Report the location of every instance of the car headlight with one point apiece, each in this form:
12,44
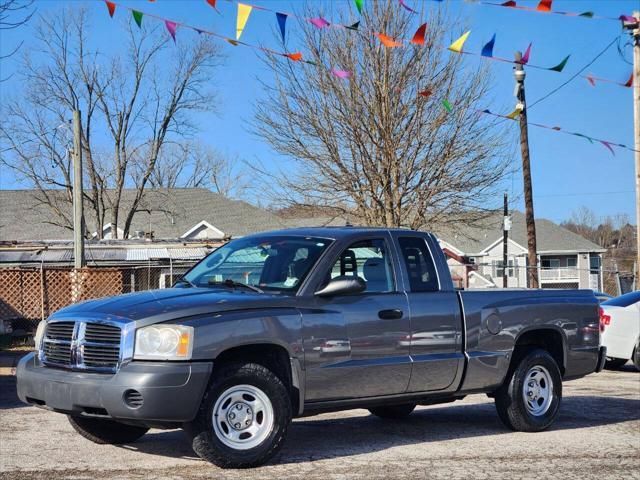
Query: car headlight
164,342
37,338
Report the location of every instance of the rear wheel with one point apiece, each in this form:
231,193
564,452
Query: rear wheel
104,431
243,418
614,363
529,399
393,411
636,355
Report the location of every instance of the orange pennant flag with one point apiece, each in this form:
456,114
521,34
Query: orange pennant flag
296,57
544,6
388,41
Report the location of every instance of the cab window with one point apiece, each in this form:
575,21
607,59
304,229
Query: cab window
369,260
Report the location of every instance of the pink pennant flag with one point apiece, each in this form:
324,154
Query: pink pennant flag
344,74
608,146
525,58
171,27
406,7
591,80
319,22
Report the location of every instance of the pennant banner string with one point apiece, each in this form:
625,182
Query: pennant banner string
545,6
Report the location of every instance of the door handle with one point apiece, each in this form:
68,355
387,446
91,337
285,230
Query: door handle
393,314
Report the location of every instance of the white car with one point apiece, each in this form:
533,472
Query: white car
620,327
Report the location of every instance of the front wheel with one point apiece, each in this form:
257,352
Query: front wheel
104,431
529,399
243,418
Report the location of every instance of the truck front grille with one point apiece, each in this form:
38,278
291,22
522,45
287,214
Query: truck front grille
82,346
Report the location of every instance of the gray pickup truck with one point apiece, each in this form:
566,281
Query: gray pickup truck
298,322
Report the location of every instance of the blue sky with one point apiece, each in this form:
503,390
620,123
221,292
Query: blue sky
568,172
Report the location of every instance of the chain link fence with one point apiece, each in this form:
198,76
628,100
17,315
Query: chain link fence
28,295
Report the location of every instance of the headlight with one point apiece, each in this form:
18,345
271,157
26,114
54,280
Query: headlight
164,342
37,339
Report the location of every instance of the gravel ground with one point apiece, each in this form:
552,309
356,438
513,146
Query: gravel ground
596,436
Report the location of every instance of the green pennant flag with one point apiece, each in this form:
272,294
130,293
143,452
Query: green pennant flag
359,5
586,14
447,106
560,66
137,16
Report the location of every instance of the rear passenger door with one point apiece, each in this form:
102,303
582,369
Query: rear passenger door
435,341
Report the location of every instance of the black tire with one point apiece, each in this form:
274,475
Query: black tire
104,431
205,440
510,403
614,363
393,412
636,356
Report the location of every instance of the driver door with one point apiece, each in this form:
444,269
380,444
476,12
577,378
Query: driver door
352,341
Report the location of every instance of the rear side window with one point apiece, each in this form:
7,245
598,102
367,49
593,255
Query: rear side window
419,264
624,300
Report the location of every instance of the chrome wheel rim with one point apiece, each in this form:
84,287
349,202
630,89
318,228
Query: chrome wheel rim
537,391
242,417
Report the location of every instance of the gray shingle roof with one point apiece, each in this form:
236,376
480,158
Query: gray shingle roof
549,236
169,213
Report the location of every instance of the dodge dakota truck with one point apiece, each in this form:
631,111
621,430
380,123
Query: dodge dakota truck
303,321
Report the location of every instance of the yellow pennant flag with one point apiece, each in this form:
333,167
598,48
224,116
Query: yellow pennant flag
516,113
243,15
457,45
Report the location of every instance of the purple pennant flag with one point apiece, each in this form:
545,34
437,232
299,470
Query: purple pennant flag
171,27
344,74
628,19
608,146
406,7
319,22
525,58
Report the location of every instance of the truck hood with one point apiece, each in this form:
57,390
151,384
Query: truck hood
156,306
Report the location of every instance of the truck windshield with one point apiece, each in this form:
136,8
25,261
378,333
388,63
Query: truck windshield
270,263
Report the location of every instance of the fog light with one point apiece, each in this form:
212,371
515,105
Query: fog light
133,399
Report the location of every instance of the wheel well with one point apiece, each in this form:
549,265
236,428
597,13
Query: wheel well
274,357
545,338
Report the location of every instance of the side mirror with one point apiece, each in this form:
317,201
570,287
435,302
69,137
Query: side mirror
342,286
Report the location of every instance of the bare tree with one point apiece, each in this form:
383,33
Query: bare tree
374,147
142,98
194,165
14,14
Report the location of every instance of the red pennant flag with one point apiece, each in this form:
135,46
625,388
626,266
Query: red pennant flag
591,80
510,3
111,7
418,38
388,41
425,93
212,3
630,81
544,6
296,57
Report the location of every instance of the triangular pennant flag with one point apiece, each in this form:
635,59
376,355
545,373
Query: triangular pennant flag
200,32
359,5
544,6
406,7
137,16
510,3
628,19
243,15
516,112
233,42
311,63
282,23
296,57
319,22
582,135
586,14
608,145
487,50
458,44
591,80
388,41
629,82
557,129
213,4
561,65
418,37
111,7
425,93
525,58
447,106
354,26
344,74
171,27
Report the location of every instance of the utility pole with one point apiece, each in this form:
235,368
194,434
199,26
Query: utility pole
634,29
78,217
506,226
532,270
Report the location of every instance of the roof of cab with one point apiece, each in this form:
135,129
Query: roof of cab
332,232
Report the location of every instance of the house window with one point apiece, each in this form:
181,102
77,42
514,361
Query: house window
498,268
572,262
594,264
550,263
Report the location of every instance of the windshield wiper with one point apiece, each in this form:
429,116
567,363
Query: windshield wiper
234,284
185,281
